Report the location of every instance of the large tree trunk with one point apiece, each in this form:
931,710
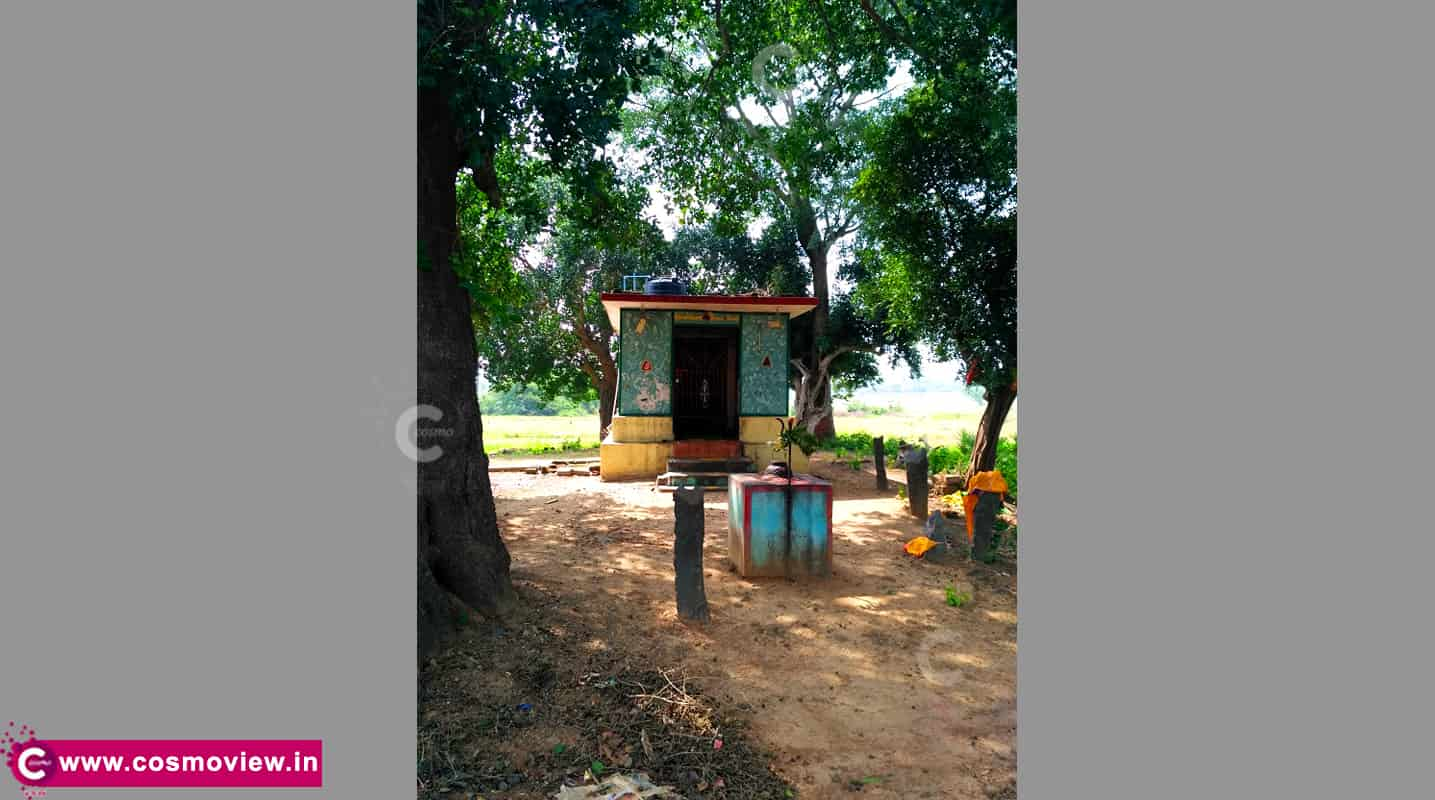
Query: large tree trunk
814,410
607,397
596,342
984,451
458,537
825,427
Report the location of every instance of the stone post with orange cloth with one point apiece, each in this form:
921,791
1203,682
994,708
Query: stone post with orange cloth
980,506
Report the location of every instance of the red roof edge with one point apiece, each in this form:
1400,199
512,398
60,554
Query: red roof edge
716,299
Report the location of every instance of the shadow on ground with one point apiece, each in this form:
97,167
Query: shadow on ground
864,682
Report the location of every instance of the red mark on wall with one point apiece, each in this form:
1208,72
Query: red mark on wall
647,365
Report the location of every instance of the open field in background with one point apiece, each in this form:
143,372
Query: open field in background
520,435
533,435
940,416
941,428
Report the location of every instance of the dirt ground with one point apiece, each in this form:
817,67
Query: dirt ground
866,682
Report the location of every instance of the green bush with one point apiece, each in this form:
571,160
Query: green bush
940,459
1006,462
858,444
956,458
951,458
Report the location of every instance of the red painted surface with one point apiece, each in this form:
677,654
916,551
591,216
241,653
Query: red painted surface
711,299
707,448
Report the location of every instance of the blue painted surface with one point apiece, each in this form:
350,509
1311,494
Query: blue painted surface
646,338
763,367
769,525
734,523
764,526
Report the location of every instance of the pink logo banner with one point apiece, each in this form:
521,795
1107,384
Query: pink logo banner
167,763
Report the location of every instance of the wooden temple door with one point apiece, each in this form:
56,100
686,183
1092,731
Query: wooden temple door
705,383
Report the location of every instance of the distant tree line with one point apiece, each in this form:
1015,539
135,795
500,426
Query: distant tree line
528,401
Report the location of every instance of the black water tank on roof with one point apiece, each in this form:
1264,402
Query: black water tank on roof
664,286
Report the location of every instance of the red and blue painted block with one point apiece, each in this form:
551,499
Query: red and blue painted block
759,542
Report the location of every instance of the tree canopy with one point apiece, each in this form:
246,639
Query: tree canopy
938,196
557,337
760,109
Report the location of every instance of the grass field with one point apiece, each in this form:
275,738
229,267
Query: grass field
940,428
515,435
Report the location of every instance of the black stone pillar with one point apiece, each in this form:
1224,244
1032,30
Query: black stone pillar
688,553
879,459
916,462
984,518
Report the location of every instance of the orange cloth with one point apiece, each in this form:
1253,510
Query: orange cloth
918,546
991,481
969,505
988,482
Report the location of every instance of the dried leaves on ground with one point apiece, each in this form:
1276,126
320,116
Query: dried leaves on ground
546,700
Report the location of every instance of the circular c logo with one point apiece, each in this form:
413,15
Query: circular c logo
409,419
35,763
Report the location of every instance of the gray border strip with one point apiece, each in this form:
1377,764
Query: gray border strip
1223,348
207,325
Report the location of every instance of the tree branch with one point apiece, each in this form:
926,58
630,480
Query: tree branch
882,24
830,357
723,53
784,195
851,103
892,35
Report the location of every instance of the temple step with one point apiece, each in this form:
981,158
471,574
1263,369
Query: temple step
707,448
707,480
723,465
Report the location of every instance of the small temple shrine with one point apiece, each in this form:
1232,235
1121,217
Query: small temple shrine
702,384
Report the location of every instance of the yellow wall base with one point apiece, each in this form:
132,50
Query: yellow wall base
641,429
762,455
758,436
626,461
758,429
639,447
